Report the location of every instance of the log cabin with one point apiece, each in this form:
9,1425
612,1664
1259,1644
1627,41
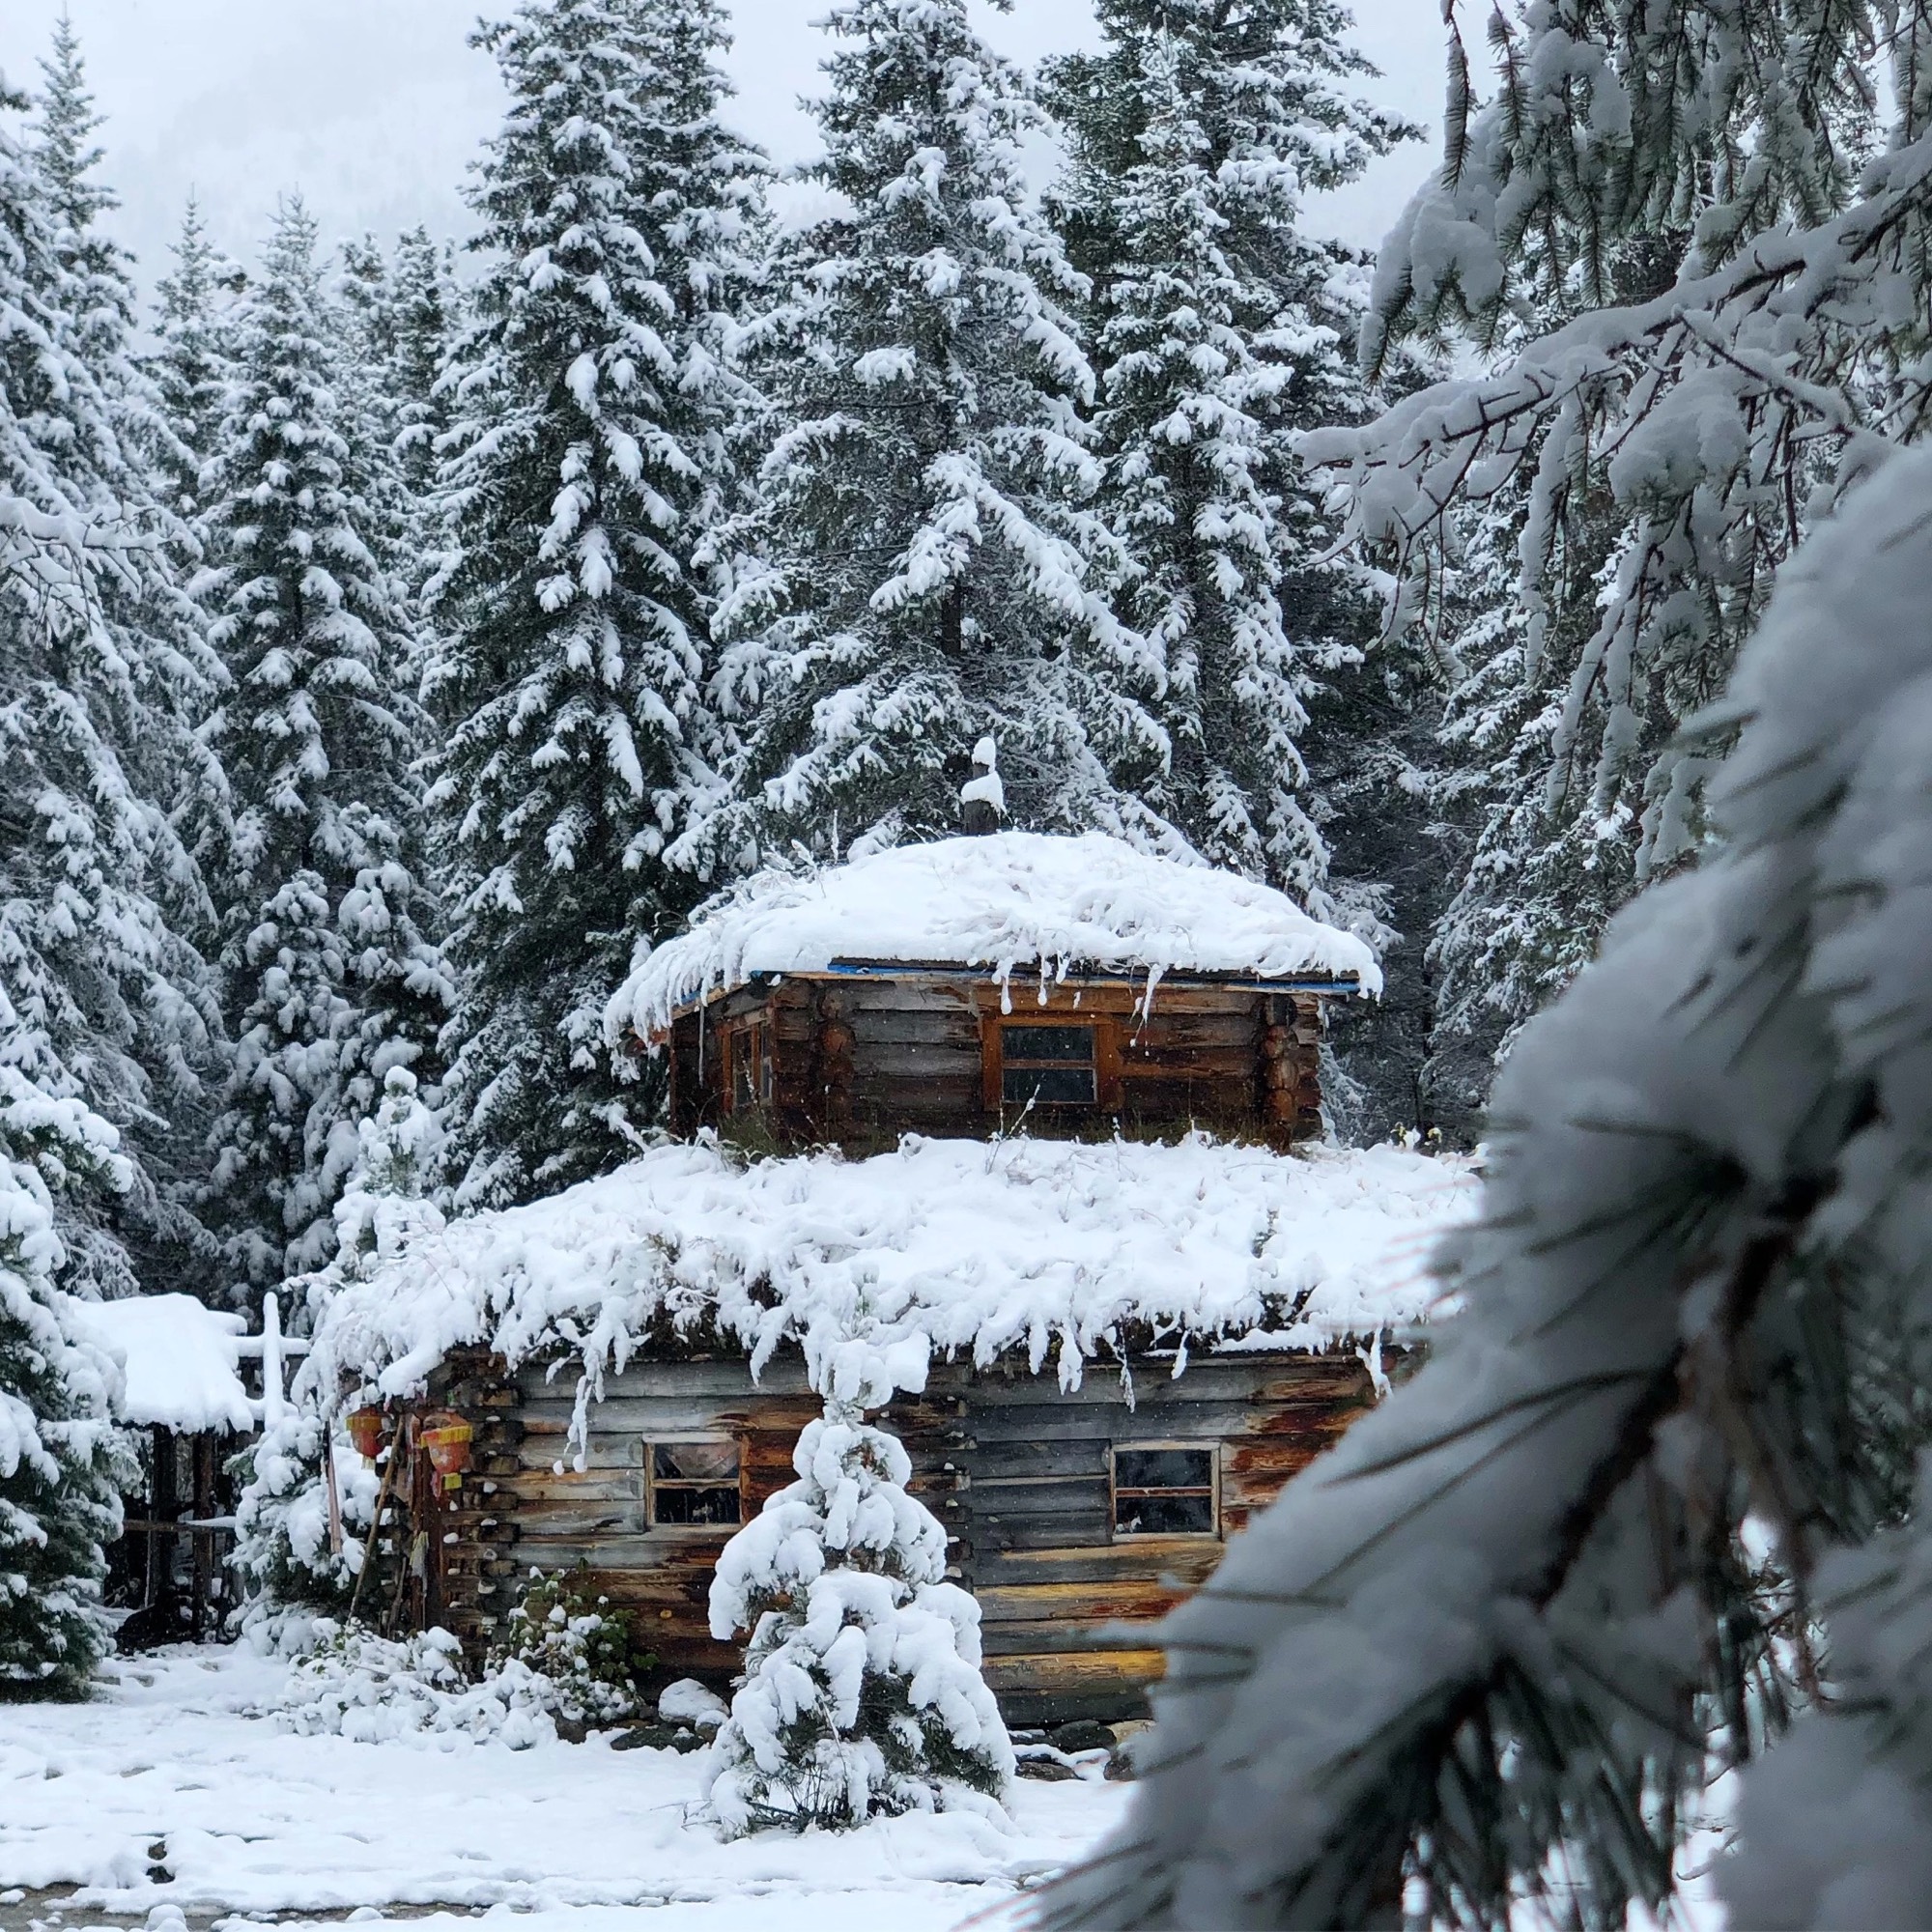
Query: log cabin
1009,1138
1101,1357
963,986
1068,1512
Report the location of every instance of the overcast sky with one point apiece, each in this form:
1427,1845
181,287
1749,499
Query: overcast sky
373,108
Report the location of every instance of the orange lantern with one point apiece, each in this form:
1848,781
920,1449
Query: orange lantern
365,1431
448,1444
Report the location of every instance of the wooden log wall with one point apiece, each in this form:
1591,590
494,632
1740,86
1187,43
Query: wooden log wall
862,1061
1022,1469
1018,1470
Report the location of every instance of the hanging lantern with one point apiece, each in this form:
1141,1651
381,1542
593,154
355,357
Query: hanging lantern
365,1431
446,1442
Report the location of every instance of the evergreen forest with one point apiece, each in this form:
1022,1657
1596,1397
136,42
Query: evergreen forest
401,636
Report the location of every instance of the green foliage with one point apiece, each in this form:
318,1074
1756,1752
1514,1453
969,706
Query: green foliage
587,1649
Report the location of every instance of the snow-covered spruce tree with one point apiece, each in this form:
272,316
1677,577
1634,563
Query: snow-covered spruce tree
98,287
1538,886
390,1198
861,1692
361,307
103,673
97,294
1501,1638
187,367
292,1568
921,563
1687,246
61,1460
393,317
1219,330
593,401
330,974
426,312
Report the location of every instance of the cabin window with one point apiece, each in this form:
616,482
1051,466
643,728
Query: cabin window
1048,1064
1166,1488
748,1066
692,1484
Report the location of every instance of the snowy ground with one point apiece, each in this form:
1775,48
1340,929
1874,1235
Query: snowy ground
169,1790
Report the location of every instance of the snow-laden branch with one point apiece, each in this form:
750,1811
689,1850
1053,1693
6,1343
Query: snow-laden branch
1484,1641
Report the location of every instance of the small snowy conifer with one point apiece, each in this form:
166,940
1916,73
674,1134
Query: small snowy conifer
861,1692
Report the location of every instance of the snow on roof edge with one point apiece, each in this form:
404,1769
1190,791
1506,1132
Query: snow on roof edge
1006,901
179,1360
874,1267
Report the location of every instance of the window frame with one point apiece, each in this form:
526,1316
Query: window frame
751,1037
653,1482
1215,1533
993,1029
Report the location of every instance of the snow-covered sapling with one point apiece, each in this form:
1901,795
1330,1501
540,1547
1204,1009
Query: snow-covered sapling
579,1645
389,1197
293,1566
861,1691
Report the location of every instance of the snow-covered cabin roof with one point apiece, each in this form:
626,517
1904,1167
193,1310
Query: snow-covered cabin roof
872,1267
182,1361
1009,901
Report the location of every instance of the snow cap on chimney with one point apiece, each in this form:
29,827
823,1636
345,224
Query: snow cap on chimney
982,798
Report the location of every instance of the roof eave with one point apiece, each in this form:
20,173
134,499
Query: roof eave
1332,985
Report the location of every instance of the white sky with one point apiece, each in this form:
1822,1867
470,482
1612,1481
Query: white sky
373,108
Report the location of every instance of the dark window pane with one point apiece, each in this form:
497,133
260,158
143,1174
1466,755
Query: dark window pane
1163,1469
1047,1086
693,1505
1164,1515
1070,1043
699,1462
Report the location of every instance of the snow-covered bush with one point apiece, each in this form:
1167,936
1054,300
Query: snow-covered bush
1504,1631
560,1659
290,1569
579,1645
861,1691
413,1690
62,1462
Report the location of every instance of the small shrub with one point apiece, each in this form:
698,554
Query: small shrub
581,1645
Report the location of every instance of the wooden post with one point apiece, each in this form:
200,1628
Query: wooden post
274,1402
202,1541
836,1043
161,1582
